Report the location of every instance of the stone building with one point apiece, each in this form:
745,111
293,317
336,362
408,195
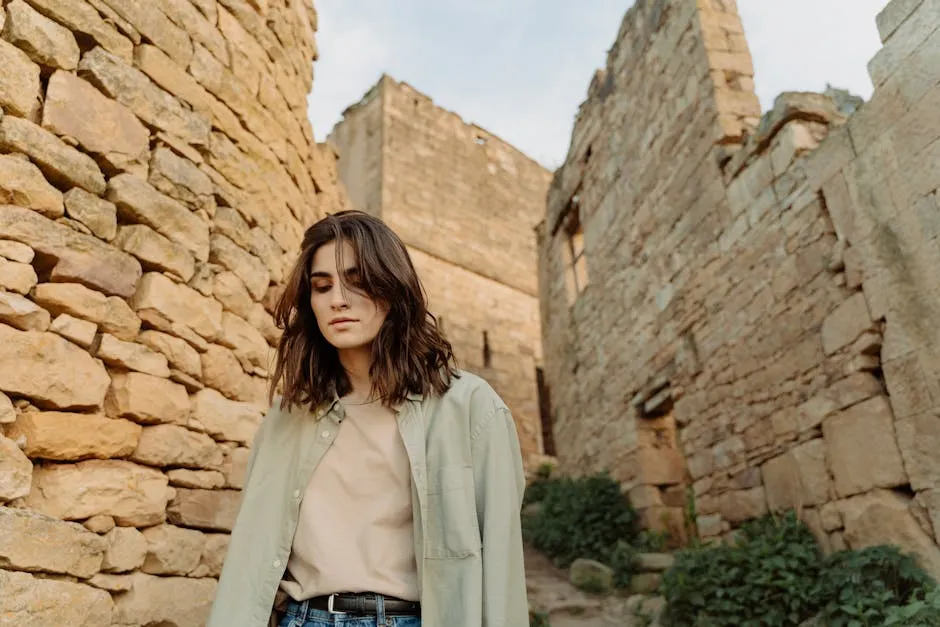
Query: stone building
742,315
466,204
157,171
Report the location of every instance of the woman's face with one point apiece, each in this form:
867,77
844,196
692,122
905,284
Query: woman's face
348,318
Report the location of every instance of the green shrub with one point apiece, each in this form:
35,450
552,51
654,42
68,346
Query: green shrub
583,517
538,619
860,587
767,578
774,575
921,610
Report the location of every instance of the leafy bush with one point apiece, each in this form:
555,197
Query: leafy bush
583,517
538,619
923,609
775,576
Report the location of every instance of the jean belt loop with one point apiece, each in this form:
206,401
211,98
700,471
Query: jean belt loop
304,611
379,610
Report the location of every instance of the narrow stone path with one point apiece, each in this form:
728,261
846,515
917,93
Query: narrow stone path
550,592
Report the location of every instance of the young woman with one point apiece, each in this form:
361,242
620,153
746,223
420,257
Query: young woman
384,486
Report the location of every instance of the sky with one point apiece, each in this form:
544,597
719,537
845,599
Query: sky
521,68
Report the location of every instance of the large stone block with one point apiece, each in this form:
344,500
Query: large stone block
172,550
126,550
50,370
201,479
111,313
82,17
844,325
132,356
71,436
176,601
76,257
919,441
213,510
19,82
132,494
152,23
17,277
76,330
22,184
59,162
863,452
132,88
166,73
798,478
172,445
147,399
138,201
22,313
156,252
213,555
884,517
16,471
229,290
179,303
181,179
741,505
34,542
249,345
100,125
178,352
235,467
222,370
46,42
225,419
29,600
99,215
249,268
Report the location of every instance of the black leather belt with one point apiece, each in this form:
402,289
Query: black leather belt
364,603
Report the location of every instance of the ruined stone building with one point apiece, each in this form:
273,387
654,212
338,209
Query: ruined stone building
466,204
742,315
157,171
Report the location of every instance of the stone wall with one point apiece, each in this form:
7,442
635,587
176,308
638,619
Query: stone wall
157,171
465,203
759,326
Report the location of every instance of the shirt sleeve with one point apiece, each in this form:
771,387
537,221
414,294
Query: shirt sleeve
499,481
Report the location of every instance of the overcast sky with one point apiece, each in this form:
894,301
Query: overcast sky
520,68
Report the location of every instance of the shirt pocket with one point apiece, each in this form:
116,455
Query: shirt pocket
452,528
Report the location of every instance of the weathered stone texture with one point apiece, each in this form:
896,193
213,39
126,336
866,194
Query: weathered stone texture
29,600
769,285
33,542
70,436
143,225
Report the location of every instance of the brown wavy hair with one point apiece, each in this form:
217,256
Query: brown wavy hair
410,354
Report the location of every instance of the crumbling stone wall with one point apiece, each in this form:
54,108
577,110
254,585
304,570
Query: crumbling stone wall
156,173
465,203
759,328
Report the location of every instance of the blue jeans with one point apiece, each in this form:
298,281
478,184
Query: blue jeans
299,615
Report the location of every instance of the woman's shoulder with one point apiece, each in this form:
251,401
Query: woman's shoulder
473,392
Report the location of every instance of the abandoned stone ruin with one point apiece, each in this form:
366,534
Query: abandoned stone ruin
732,313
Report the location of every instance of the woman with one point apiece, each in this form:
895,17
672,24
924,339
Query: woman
384,487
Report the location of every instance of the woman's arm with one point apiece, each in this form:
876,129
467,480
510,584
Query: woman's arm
499,480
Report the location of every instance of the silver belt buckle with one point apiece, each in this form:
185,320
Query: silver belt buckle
329,604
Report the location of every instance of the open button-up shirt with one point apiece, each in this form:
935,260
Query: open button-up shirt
467,488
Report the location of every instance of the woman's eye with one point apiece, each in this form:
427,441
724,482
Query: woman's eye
321,289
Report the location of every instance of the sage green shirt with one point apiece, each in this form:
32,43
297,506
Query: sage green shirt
467,487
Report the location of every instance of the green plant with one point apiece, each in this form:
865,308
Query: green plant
921,610
621,560
582,517
860,587
767,578
538,619
774,575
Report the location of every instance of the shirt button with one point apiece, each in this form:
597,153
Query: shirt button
277,563
296,494
325,435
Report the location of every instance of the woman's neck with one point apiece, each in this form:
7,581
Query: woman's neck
357,362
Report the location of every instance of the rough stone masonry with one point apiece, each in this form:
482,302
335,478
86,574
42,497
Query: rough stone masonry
743,315
157,170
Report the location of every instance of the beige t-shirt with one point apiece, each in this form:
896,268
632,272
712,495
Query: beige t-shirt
355,531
